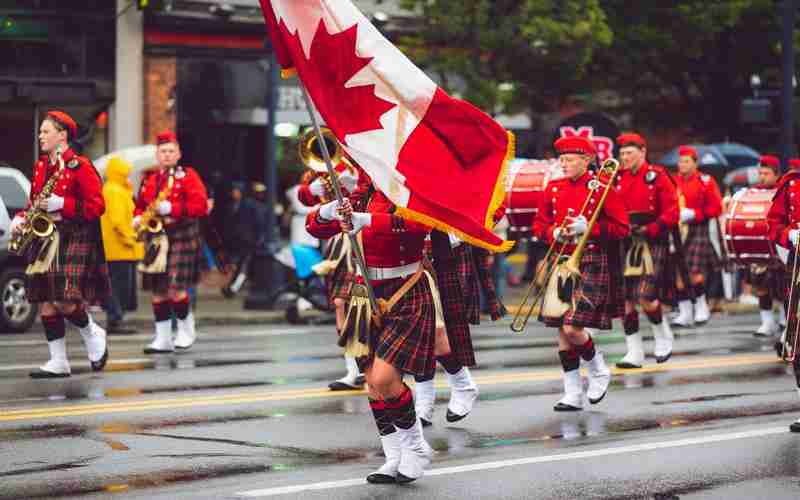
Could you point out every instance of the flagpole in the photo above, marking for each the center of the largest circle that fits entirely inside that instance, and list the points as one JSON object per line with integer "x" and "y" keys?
{"x": 356, "y": 248}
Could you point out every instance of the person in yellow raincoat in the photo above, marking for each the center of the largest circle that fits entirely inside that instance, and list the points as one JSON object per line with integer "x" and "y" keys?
{"x": 119, "y": 241}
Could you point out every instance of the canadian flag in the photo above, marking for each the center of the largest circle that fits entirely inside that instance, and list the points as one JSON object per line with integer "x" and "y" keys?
{"x": 441, "y": 160}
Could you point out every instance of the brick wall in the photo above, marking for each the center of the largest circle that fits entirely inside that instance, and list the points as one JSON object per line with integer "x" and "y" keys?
{"x": 159, "y": 96}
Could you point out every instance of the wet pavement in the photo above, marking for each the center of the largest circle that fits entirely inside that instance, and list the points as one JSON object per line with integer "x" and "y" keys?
{"x": 246, "y": 414}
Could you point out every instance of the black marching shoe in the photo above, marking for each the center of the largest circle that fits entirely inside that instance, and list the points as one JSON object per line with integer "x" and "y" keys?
{"x": 452, "y": 417}
{"x": 376, "y": 478}
{"x": 565, "y": 407}
{"x": 98, "y": 365}
{"x": 43, "y": 374}
{"x": 660, "y": 359}
{"x": 428, "y": 423}
{"x": 795, "y": 427}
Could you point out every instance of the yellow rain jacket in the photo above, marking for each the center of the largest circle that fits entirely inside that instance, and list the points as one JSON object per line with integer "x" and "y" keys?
{"x": 119, "y": 239}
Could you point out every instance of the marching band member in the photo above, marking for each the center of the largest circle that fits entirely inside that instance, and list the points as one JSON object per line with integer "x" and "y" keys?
{"x": 404, "y": 340}
{"x": 703, "y": 203}
{"x": 768, "y": 279}
{"x": 315, "y": 189}
{"x": 598, "y": 296}
{"x": 67, "y": 270}
{"x": 461, "y": 271}
{"x": 652, "y": 204}
{"x": 784, "y": 230}
{"x": 176, "y": 196}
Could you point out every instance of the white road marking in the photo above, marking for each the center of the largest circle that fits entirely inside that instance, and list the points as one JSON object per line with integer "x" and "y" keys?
{"x": 502, "y": 464}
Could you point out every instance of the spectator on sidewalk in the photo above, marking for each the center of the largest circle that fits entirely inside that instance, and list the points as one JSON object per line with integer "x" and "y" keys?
{"x": 119, "y": 241}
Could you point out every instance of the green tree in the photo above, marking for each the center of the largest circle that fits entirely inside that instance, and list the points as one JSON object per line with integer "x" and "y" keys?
{"x": 689, "y": 61}
{"x": 541, "y": 47}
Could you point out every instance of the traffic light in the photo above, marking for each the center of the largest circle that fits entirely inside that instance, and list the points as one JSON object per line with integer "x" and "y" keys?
{"x": 149, "y": 4}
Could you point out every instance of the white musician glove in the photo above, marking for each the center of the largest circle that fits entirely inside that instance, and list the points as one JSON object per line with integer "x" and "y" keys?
{"x": 794, "y": 235}
{"x": 317, "y": 187}
{"x": 454, "y": 240}
{"x": 55, "y": 203}
{"x": 687, "y": 215}
{"x": 137, "y": 221}
{"x": 329, "y": 211}
{"x": 579, "y": 225}
{"x": 15, "y": 223}
{"x": 560, "y": 234}
{"x": 360, "y": 220}
{"x": 164, "y": 207}
{"x": 348, "y": 181}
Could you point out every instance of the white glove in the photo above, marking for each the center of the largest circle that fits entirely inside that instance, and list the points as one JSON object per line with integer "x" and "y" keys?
{"x": 454, "y": 240}
{"x": 687, "y": 215}
{"x": 328, "y": 211}
{"x": 560, "y": 234}
{"x": 15, "y": 222}
{"x": 317, "y": 187}
{"x": 164, "y": 207}
{"x": 579, "y": 225}
{"x": 360, "y": 220}
{"x": 794, "y": 235}
{"x": 55, "y": 203}
{"x": 348, "y": 180}
{"x": 137, "y": 221}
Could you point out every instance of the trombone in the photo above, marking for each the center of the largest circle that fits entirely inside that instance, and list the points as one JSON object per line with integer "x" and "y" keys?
{"x": 791, "y": 341}
{"x": 545, "y": 272}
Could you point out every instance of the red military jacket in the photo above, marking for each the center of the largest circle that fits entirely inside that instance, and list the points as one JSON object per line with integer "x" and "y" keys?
{"x": 784, "y": 214}
{"x": 650, "y": 191}
{"x": 390, "y": 240}
{"x": 565, "y": 197}
{"x": 188, "y": 194}
{"x": 702, "y": 195}
{"x": 79, "y": 185}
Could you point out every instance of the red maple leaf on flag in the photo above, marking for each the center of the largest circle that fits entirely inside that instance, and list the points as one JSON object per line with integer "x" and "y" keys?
{"x": 332, "y": 62}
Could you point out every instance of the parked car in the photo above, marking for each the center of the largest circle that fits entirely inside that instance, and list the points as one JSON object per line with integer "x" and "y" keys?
{"x": 16, "y": 313}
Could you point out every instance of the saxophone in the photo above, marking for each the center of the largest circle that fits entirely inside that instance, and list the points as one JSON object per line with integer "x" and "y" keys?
{"x": 38, "y": 224}
{"x": 150, "y": 221}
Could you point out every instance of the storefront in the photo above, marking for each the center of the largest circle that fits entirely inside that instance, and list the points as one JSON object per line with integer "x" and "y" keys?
{"x": 54, "y": 57}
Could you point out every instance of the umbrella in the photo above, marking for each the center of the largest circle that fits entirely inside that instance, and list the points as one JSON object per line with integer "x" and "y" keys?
{"x": 140, "y": 157}
{"x": 707, "y": 157}
{"x": 738, "y": 155}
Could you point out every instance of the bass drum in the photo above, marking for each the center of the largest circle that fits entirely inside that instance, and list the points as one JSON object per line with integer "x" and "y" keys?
{"x": 746, "y": 228}
{"x": 526, "y": 182}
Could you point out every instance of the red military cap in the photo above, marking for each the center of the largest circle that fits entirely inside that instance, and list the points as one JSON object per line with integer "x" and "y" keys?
{"x": 166, "y": 137}
{"x": 64, "y": 120}
{"x": 794, "y": 162}
{"x": 576, "y": 145}
{"x": 770, "y": 161}
{"x": 687, "y": 151}
{"x": 631, "y": 139}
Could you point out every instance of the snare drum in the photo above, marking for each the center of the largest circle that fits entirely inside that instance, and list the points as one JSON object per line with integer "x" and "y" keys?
{"x": 526, "y": 182}
{"x": 746, "y": 228}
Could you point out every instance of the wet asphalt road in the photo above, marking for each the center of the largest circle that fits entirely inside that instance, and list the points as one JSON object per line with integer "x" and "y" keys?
{"x": 246, "y": 414}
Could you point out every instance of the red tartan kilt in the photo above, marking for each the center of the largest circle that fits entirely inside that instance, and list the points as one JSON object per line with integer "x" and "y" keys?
{"x": 700, "y": 255}
{"x": 339, "y": 282}
{"x": 458, "y": 287}
{"x": 600, "y": 294}
{"x": 82, "y": 273}
{"x": 183, "y": 261}
{"x": 406, "y": 338}
{"x": 650, "y": 287}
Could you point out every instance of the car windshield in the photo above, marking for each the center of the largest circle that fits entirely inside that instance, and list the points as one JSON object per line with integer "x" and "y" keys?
{"x": 13, "y": 193}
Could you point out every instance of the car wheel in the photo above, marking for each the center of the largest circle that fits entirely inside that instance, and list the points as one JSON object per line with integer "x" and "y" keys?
{"x": 16, "y": 313}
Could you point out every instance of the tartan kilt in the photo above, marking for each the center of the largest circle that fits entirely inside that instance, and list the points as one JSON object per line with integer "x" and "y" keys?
{"x": 774, "y": 279}
{"x": 700, "y": 255}
{"x": 339, "y": 282}
{"x": 406, "y": 337}
{"x": 649, "y": 287}
{"x": 184, "y": 258}
{"x": 599, "y": 294}
{"x": 458, "y": 288}
{"x": 81, "y": 272}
